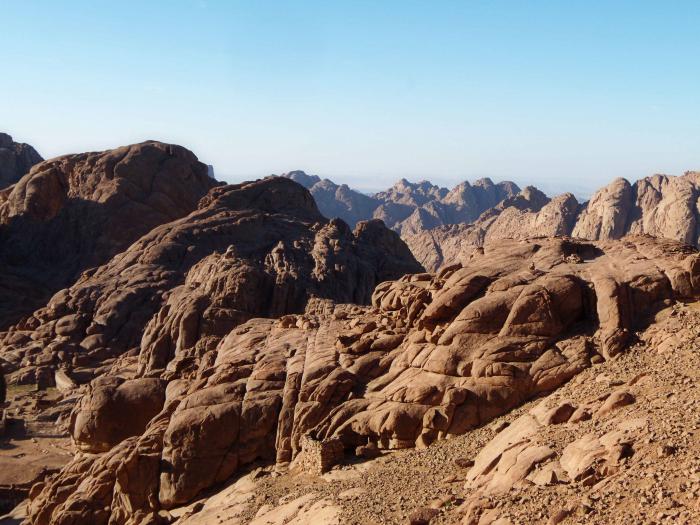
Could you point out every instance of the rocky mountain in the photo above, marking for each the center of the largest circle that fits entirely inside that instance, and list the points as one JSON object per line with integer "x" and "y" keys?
{"x": 662, "y": 206}
{"x": 336, "y": 201}
{"x": 406, "y": 207}
{"x": 528, "y": 214}
{"x": 258, "y": 249}
{"x": 410, "y": 208}
{"x": 75, "y": 212}
{"x": 188, "y": 352}
{"x": 16, "y": 159}
{"x": 434, "y": 356}
{"x": 442, "y": 226}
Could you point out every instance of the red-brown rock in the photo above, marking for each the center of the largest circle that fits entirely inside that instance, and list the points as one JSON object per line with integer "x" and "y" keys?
{"x": 75, "y": 212}
{"x": 477, "y": 340}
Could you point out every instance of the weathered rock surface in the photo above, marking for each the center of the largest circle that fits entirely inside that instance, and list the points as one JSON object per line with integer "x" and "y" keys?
{"x": 530, "y": 213}
{"x": 648, "y": 473}
{"x": 407, "y": 207}
{"x": 251, "y": 250}
{"x": 662, "y": 206}
{"x": 435, "y": 356}
{"x": 16, "y": 159}
{"x": 75, "y": 212}
{"x": 114, "y": 410}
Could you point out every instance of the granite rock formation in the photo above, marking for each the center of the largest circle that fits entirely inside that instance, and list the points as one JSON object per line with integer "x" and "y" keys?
{"x": 258, "y": 249}
{"x": 75, "y": 212}
{"x": 406, "y": 207}
{"x": 336, "y": 200}
{"x": 530, "y": 213}
{"x": 16, "y": 159}
{"x": 435, "y": 355}
{"x": 662, "y": 206}
{"x": 411, "y": 208}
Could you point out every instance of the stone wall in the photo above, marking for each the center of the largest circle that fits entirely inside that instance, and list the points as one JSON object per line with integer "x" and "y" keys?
{"x": 318, "y": 456}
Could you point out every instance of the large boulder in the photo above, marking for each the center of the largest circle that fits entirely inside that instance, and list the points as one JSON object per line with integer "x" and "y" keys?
{"x": 114, "y": 410}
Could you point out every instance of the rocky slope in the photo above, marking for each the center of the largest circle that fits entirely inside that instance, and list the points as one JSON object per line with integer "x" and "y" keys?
{"x": 406, "y": 207}
{"x": 75, "y": 212}
{"x": 16, "y": 159}
{"x": 633, "y": 459}
{"x": 435, "y": 356}
{"x": 528, "y": 214}
{"x": 249, "y": 250}
{"x": 661, "y": 206}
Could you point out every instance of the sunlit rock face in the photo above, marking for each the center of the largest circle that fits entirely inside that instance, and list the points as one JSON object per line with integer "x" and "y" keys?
{"x": 433, "y": 355}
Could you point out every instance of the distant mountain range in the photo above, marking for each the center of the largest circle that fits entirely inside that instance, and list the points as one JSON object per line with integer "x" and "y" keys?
{"x": 188, "y": 338}
{"x": 662, "y": 206}
{"x": 406, "y": 207}
{"x": 443, "y": 226}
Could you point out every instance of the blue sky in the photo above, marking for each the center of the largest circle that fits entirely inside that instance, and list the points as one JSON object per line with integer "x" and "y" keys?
{"x": 564, "y": 95}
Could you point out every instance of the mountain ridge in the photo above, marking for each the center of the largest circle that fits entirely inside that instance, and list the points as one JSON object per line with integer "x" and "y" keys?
{"x": 406, "y": 207}
{"x": 663, "y": 206}
{"x": 238, "y": 353}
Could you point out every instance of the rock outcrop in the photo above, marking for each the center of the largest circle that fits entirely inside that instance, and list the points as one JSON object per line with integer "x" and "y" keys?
{"x": 406, "y": 207}
{"x": 662, "y": 206}
{"x": 258, "y": 249}
{"x": 530, "y": 213}
{"x": 75, "y": 212}
{"x": 16, "y": 159}
{"x": 409, "y": 208}
{"x": 434, "y": 356}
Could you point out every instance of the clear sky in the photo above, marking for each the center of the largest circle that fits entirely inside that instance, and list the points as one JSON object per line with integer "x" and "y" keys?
{"x": 565, "y": 94}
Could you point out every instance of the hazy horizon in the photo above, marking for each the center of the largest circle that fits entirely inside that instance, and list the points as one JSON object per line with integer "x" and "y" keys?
{"x": 580, "y": 189}
{"x": 563, "y": 96}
